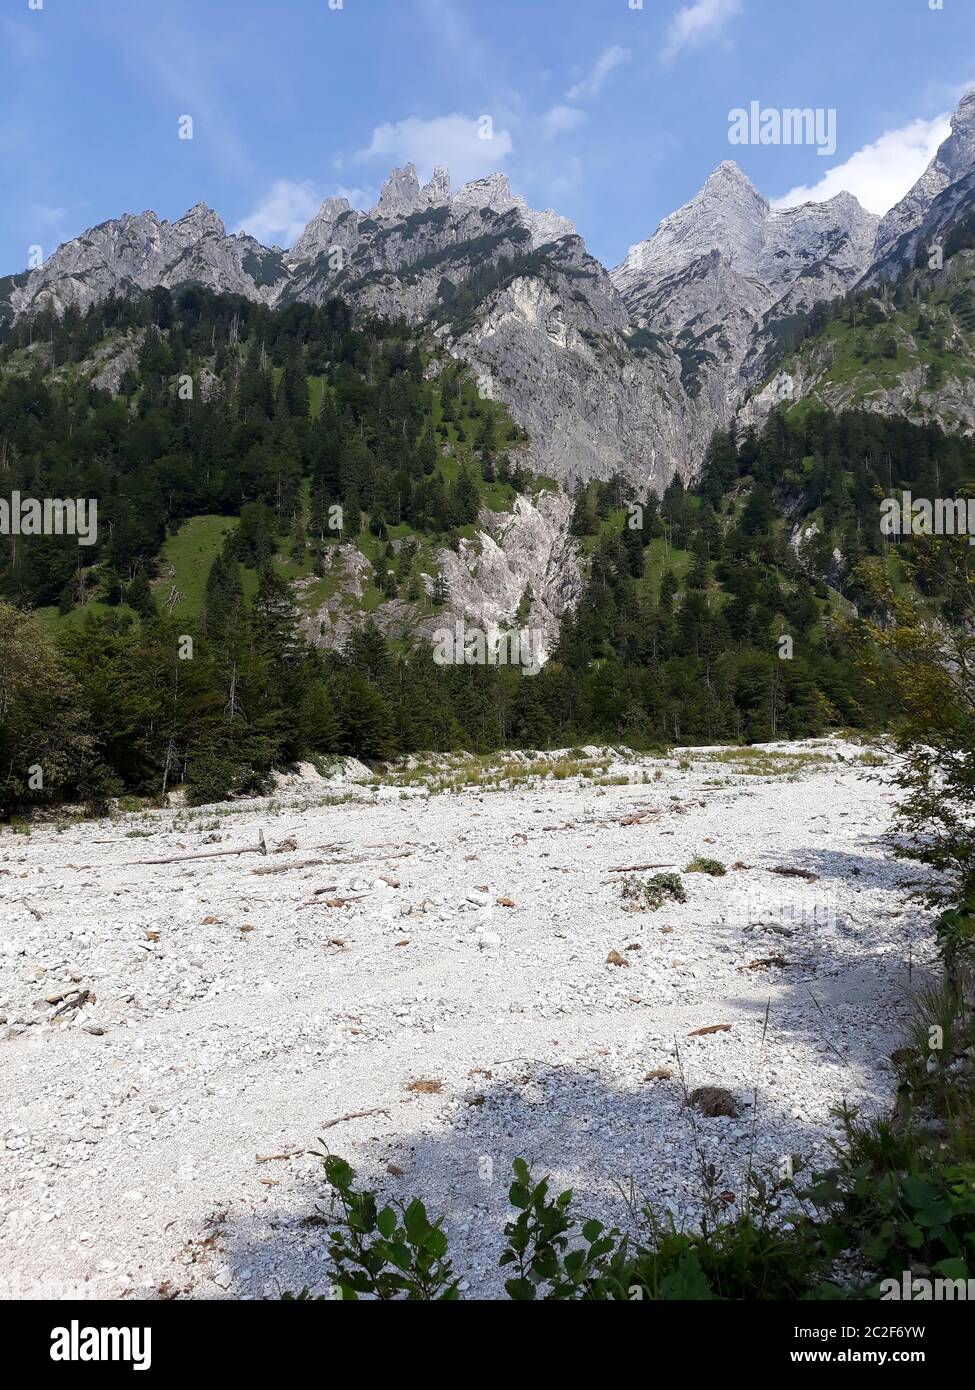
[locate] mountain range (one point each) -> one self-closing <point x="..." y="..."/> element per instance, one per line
<point x="626" y="369"/>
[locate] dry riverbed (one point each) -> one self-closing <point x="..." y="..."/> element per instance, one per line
<point x="433" y="984"/>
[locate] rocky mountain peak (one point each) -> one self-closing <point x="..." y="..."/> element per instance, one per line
<point x="400" y="194"/>
<point x="437" y="191"/>
<point x="729" y="218"/>
<point x="320" y="232"/>
<point x="959" y="148"/>
<point x="729" y="181"/>
<point x="200" y="220"/>
<point x="727" y="215"/>
<point x="492" y="192"/>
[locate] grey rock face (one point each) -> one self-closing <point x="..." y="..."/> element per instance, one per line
<point x="323" y="231"/>
<point x="912" y="231"/>
<point x="521" y="560"/>
<point x="945" y="209"/>
<point x="719" y="271"/>
<point x="554" y="348"/>
<point x="400" y="195"/>
<point x="140" y="252"/>
<point x="955" y="159"/>
<point x="951" y="403"/>
<point x="522" y="570"/>
<point x="550" y="341"/>
<point x="494" y="193"/>
<point x="116" y="361"/>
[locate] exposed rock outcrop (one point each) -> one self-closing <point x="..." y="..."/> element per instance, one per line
<point x="954" y="160"/>
<point x="521" y="570"/>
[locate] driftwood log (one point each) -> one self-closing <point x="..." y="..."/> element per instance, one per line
<point x="260" y="848"/>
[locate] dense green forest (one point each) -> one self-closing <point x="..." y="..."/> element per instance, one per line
<point x="226" y="403"/>
<point x="712" y="613"/>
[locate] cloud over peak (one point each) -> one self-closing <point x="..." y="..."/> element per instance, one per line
<point x="469" y="146"/>
<point x="881" y="173"/>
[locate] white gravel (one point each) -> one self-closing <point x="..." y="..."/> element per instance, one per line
<point x="132" y="1126"/>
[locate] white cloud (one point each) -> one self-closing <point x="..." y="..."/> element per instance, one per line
<point x="561" y="119"/>
<point x="457" y="141"/>
<point x="696" y="23"/>
<point x="283" y="213"/>
<point x="879" y="174"/>
<point x="590" y="86"/>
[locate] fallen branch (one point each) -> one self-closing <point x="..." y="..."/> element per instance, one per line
<point x="204" y="854"/>
<point x="637" y="868"/>
<point x="372" y="858"/>
<point x="330" y="902"/>
<point x="788" y="871"/>
<point x="286" y="868"/>
<point x="355" y="1115"/>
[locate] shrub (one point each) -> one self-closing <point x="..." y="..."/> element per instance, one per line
<point x="640" y="895"/>
<point x="388" y="1253"/>
<point x="714" y="867"/>
<point x="555" y="1255"/>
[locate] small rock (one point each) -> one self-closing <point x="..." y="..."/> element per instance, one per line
<point x="713" y="1101"/>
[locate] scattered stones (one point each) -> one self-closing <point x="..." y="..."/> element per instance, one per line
<point x="231" y="1022"/>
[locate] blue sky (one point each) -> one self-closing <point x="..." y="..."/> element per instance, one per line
<point x="612" y="112"/>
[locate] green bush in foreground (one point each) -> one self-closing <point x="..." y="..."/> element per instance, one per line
<point x="860" y="1223"/>
<point x="388" y="1253"/>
